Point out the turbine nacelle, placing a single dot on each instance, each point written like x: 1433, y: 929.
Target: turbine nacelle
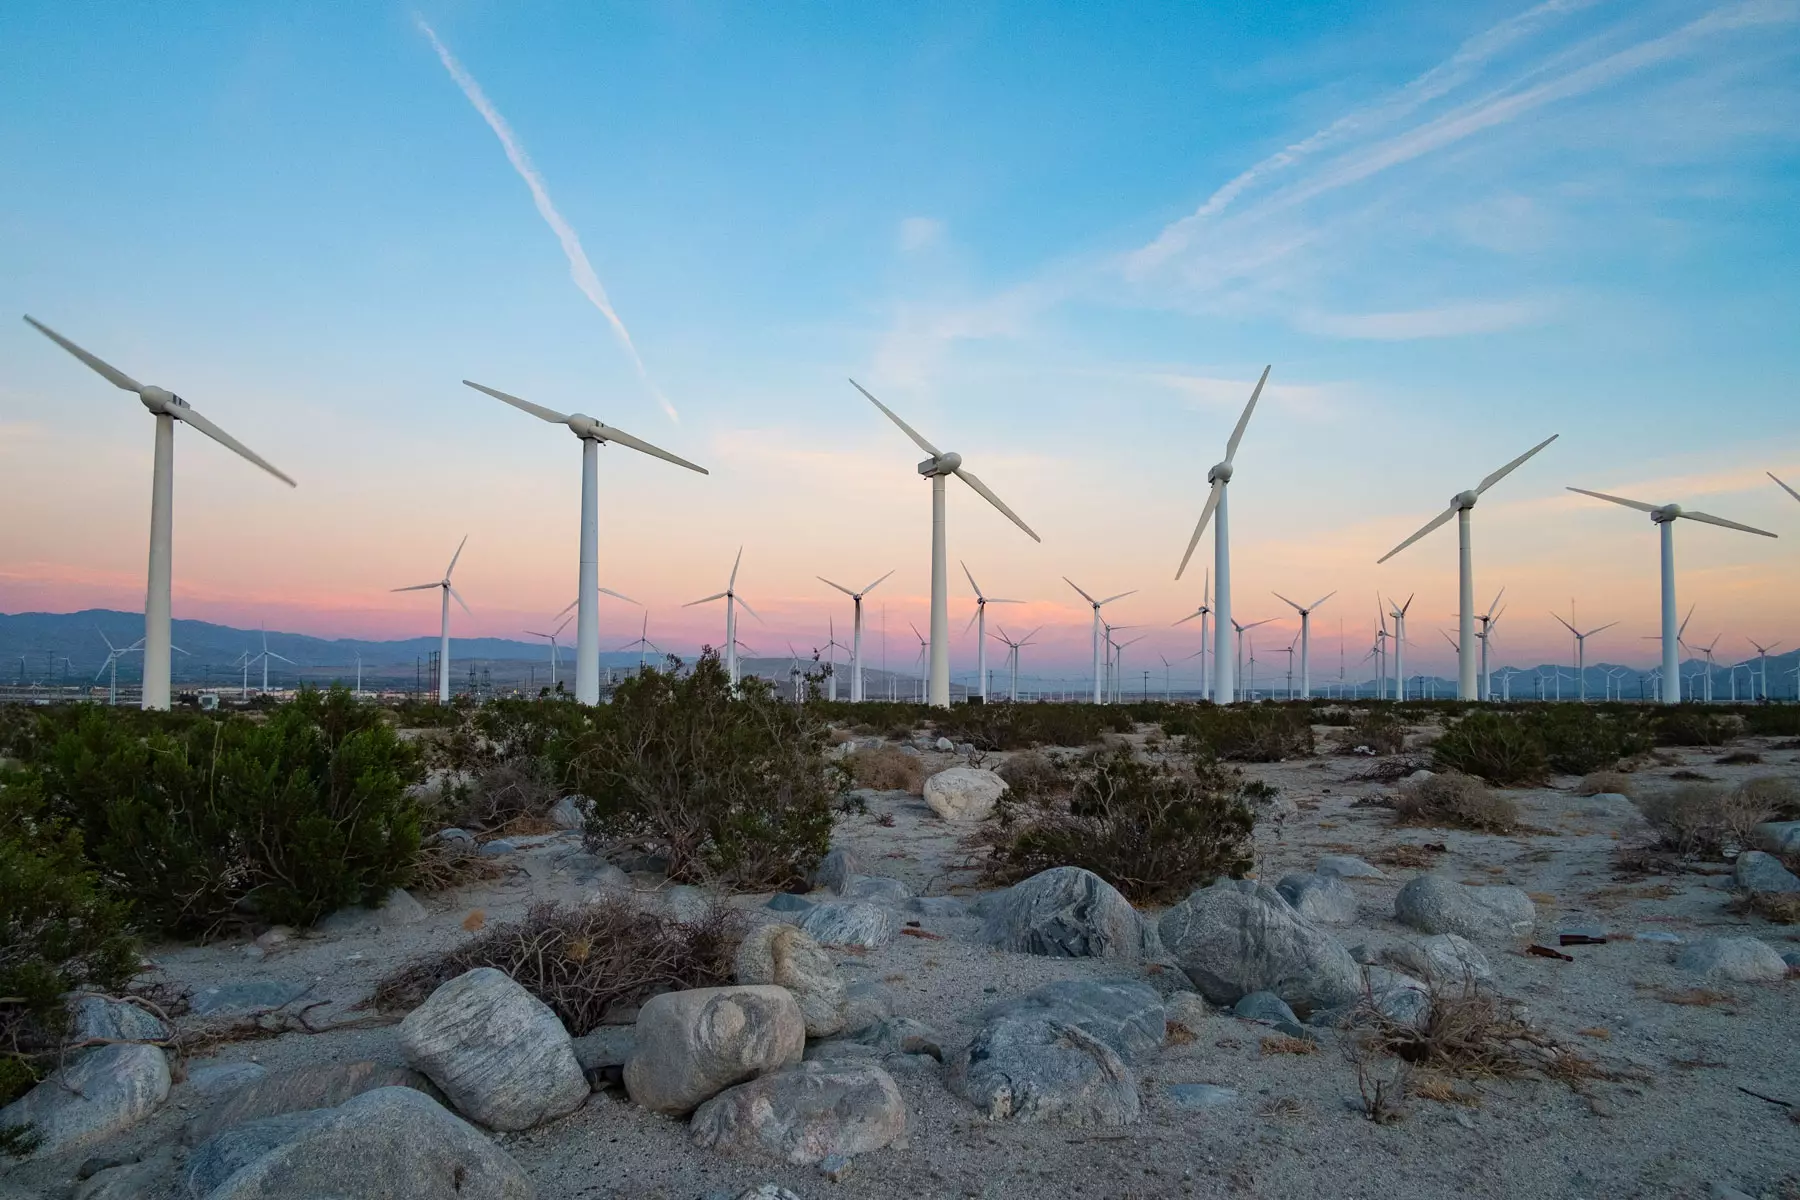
x: 944, y: 464
x: 161, y: 400
x: 586, y: 427
x: 1220, y: 473
x: 1464, y: 500
x: 1666, y: 513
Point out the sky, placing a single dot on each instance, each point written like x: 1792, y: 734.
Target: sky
x: 1060, y: 239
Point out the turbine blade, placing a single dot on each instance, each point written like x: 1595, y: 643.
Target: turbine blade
x: 878, y: 582
x: 536, y: 410
x: 1637, y: 504
x: 112, y: 374
x: 451, y: 569
x: 1212, y: 502
x: 418, y: 587
x: 608, y: 433
x: 1077, y: 587
x: 1429, y: 526
x: 840, y: 587
x: 1187, y: 618
x: 572, y: 604
x: 1784, y: 487
x: 1286, y: 601
x: 997, y: 600
x: 1608, y: 625
x: 618, y: 596
x: 735, y: 563
x: 1120, y: 596
x: 1237, y: 435
x: 987, y: 494
x: 1510, y: 467
x: 971, y: 623
x: 1321, y: 600
x: 1709, y: 519
x: 453, y: 596
x: 1564, y: 623
x: 746, y: 607
x: 707, y: 600
x: 910, y: 432
x: 976, y: 587
x: 190, y: 417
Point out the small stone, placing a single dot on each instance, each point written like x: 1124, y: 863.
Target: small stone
x: 1269, y: 1009
x: 851, y: 923
x: 275, y: 936
x: 454, y: 837
x: 1201, y: 1095
x: 399, y: 909
x: 606, y: 1046
x: 1345, y: 866
x: 1763, y: 873
x: 835, y: 1167
x: 497, y: 847
x: 945, y: 746
x: 1185, y: 1009
x: 964, y: 794
x: 1738, y: 959
x: 246, y: 997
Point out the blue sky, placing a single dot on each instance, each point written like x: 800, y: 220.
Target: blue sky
x: 1058, y: 239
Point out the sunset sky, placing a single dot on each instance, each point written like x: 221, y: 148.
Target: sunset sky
x: 1061, y: 239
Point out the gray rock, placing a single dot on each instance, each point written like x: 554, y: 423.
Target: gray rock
x: 1322, y: 899
x: 124, y: 1181
x: 300, y: 1089
x: 1433, y: 903
x: 1738, y: 959
x: 1185, y: 1009
x: 454, y: 836
x: 945, y: 746
x: 1202, y: 1095
x: 866, y: 1003
x: 398, y: 909
x: 911, y: 751
x: 965, y: 748
x: 1065, y: 912
x: 835, y: 1167
x: 1128, y: 1016
x: 787, y: 902
x: 497, y: 1051
x: 804, y: 1113
x: 245, y: 997
x: 784, y: 956
x: 838, y: 865
x: 395, y: 1143
x: 1238, y: 937
x: 1759, y: 872
x: 570, y: 812
x: 688, y: 904
x: 940, y: 908
x: 607, y: 1046
x: 693, y: 1045
x: 1345, y: 866
x: 851, y: 923
x: 902, y: 1035
x: 964, y: 794
x: 1266, y: 1007
x: 1026, y: 1068
x: 1778, y: 837
x: 1447, y: 959
x: 498, y: 847
x: 1398, y: 997
x: 93, y: 1017
x: 94, y: 1095
x: 877, y: 889
x: 210, y: 1083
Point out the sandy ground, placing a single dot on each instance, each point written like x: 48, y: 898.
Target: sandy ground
x: 1681, y: 1130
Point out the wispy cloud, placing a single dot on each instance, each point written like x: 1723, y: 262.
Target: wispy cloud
x: 1450, y: 320
x: 580, y: 269
x: 918, y: 233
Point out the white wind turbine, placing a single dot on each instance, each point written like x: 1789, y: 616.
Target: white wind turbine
x: 1487, y: 620
x: 1012, y: 655
x: 856, y: 632
x: 444, y: 626
x: 1241, y: 630
x: 940, y: 465
x: 1112, y: 677
x: 1762, y: 655
x: 555, y: 649
x: 113, y: 654
x: 732, y: 602
x: 979, y: 620
x: 1224, y: 680
x: 642, y: 645
x: 1460, y: 506
x: 1099, y: 679
x: 1581, y: 649
x: 1399, y: 615
x: 359, y: 690
x: 264, y: 658
x: 924, y: 654
x: 168, y: 408
x: 1305, y: 640
x: 1202, y: 612
x: 1664, y: 518
x: 593, y: 434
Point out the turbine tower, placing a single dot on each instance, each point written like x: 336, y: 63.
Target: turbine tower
x: 113, y: 655
x: 1399, y: 615
x: 1664, y: 517
x: 732, y: 601
x: 1488, y: 620
x: 936, y: 468
x: 1581, y: 650
x: 168, y: 408
x: 1099, y: 683
x: 1202, y: 612
x: 555, y: 652
x: 1460, y: 506
x: 1305, y: 640
x: 1224, y: 680
x: 856, y: 631
x: 443, y: 629
x: 980, y: 621
x: 592, y: 435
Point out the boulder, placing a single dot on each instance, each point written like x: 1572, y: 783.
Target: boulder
x: 901, y: 1035
x: 245, y: 997
x: 497, y: 1051
x: 865, y: 1004
x: 787, y: 902
x: 94, y: 1095
x: 877, y: 889
x: 838, y: 865
x: 1128, y: 1016
x: 1436, y: 904
x: 570, y: 812
x: 394, y: 1142
x: 941, y: 908
x: 1185, y: 1009
x: 607, y: 1046
x: 1029, y: 1068
x: 850, y: 923
x: 298, y: 1090
x: 125, y: 1181
x: 1065, y: 912
x: 222, y: 1079
x: 1738, y: 959
x: 1345, y: 866
x: 782, y: 955
x: 96, y: 1017
x: 1269, y: 1009
x: 944, y: 745
x: 804, y: 1113
x: 1322, y: 899
x: 1759, y: 872
x: 453, y: 837
x: 1778, y: 837
x: 688, y: 904
x: 964, y: 793
x: 692, y: 1045
x: 1238, y: 937
x: 1447, y: 959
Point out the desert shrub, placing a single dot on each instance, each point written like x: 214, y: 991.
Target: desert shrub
x: 1686, y: 726
x: 583, y: 961
x: 1773, y: 720
x: 1379, y: 730
x: 1496, y: 747
x: 1033, y: 777
x: 1452, y: 798
x: 1579, y: 738
x: 280, y: 819
x: 1154, y: 830
x: 1739, y: 758
x: 1615, y: 782
x: 727, y: 783
x: 1706, y: 819
x: 1777, y: 795
x: 499, y: 794
x: 1022, y: 726
x: 886, y: 769
x: 1246, y: 733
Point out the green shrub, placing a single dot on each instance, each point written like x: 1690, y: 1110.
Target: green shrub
x: 886, y: 769
x: 1499, y: 748
x: 1454, y: 799
x: 1154, y: 830
x: 1023, y: 726
x: 1246, y: 733
x: 1578, y: 738
x: 1614, y: 782
x: 1685, y: 726
x: 1706, y: 819
x: 1033, y: 777
x: 728, y: 787
x: 1378, y: 729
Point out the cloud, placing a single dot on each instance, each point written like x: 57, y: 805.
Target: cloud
x: 919, y: 233
x: 580, y: 269
x: 1451, y: 320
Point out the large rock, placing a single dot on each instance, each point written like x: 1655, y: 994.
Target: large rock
x: 394, y: 1143
x: 1028, y: 1068
x: 1759, y: 872
x: 1778, y: 837
x: 94, y: 1017
x: 878, y: 889
x: 786, y: 957
x: 850, y: 923
x: 298, y: 1090
x: 693, y: 1045
x: 964, y: 793
x: 1446, y: 959
x: 838, y: 865
x: 1322, y: 899
x: 570, y: 812
x: 606, y: 1046
x: 1065, y: 912
x: 1238, y: 937
x: 805, y: 1113
x: 1346, y: 866
x: 245, y: 997
x: 497, y: 1051
x: 94, y: 1095
x: 1738, y: 959
x: 1128, y: 1016
x: 866, y: 1003
x: 1435, y: 904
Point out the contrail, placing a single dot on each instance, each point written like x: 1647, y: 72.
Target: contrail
x: 580, y: 269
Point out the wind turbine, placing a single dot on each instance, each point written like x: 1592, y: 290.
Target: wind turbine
x: 1581, y: 649
x: 264, y: 658
x: 1241, y: 630
x: 168, y: 408
x: 1488, y: 619
x: 592, y: 434
x: 1460, y: 506
x: 1399, y: 615
x: 1762, y: 654
x: 1168, y: 690
x: 113, y: 654
x: 980, y: 621
x: 1664, y: 518
x: 1111, y: 645
x: 732, y: 600
x: 831, y: 648
x: 1305, y: 642
x: 1202, y: 612
x: 856, y: 632
x: 555, y: 654
x: 924, y: 653
x: 444, y: 627
x: 1013, y: 648
x: 1380, y: 651
x: 936, y: 468
x: 1119, y: 664
x: 642, y: 644
x: 1784, y: 487
x: 1099, y: 683
x: 1224, y: 681
x: 359, y: 690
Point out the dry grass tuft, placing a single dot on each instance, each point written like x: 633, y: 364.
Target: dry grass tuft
x: 1454, y: 799
x: 1281, y: 1043
x: 1739, y: 758
x: 1607, y: 781
x: 1408, y: 857
x: 1597, y: 1032
x: 1428, y: 1085
x: 1711, y: 820
x: 442, y: 866
x: 1779, y: 909
x: 1698, y: 997
x: 1177, y: 1034
x: 887, y: 769
x: 1284, y: 1107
